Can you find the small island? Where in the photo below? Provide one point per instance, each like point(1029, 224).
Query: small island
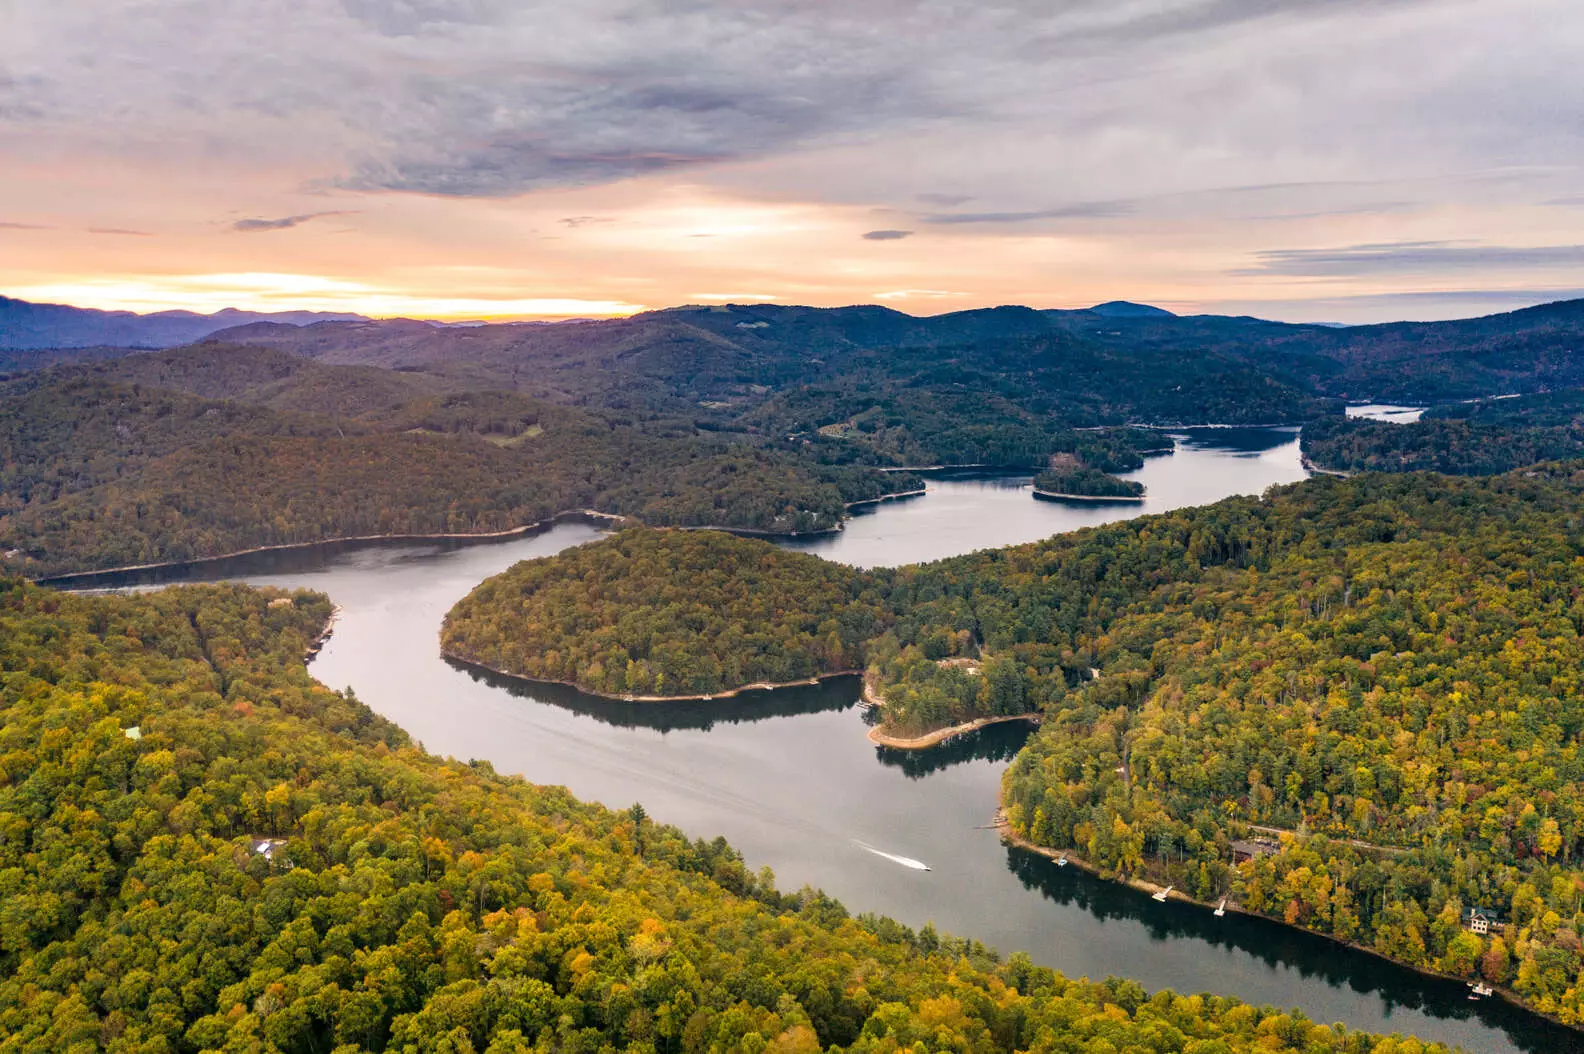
point(1068, 479)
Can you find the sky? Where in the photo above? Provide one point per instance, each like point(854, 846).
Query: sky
point(1309, 160)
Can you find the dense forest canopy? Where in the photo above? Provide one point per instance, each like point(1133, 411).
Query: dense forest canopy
point(266, 865)
point(1385, 668)
point(1463, 446)
point(669, 613)
point(96, 473)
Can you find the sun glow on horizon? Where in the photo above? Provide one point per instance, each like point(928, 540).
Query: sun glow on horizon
point(267, 291)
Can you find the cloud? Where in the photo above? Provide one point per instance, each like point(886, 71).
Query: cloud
point(281, 224)
point(1087, 210)
point(886, 235)
point(119, 230)
point(943, 201)
point(584, 221)
point(916, 294)
point(1410, 258)
point(1413, 306)
point(8, 226)
point(492, 98)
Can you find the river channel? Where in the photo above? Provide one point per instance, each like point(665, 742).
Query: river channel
point(790, 780)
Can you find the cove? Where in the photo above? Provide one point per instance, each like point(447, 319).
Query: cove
point(789, 778)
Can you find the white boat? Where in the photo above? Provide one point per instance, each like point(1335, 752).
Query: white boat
point(1163, 894)
point(1221, 908)
point(1062, 862)
point(905, 861)
point(1481, 990)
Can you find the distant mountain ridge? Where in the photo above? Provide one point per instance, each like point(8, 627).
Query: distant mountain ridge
point(26, 326)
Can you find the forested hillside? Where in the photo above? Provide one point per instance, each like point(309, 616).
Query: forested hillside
point(725, 362)
point(1385, 668)
point(98, 474)
point(1458, 447)
point(60, 438)
point(1387, 660)
point(266, 865)
point(1481, 437)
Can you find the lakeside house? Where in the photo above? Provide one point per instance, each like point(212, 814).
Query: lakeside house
point(1253, 848)
point(1480, 920)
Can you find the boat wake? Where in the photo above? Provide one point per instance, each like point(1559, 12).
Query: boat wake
point(905, 861)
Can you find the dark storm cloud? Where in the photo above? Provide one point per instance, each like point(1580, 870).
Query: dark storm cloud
point(283, 223)
point(886, 235)
point(1409, 258)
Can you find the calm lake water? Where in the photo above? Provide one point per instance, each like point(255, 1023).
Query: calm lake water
point(790, 780)
point(1402, 415)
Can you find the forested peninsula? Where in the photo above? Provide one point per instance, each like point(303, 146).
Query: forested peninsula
point(204, 849)
point(1377, 676)
point(669, 613)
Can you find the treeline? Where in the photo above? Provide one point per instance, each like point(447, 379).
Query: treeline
point(269, 866)
point(97, 474)
point(1462, 447)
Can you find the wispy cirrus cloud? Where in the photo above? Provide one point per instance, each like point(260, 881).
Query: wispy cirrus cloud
point(1411, 258)
point(253, 225)
point(1085, 210)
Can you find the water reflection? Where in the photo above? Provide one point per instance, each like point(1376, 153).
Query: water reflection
point(315, 558)
point(1279, 947)
point(1237, 440)
point(835, 693)
point(998, 743)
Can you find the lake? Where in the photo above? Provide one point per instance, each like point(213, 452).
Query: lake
point(790, 780)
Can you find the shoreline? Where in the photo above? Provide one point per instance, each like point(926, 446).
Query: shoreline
point(1310, 466)
point(758, 686)
point(895, 496)
point(1003, 828)
point(867, 698)
point(72, 577)
point(316, 645)
point(880, 738)
point(1105, 499)
point(69, 579)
